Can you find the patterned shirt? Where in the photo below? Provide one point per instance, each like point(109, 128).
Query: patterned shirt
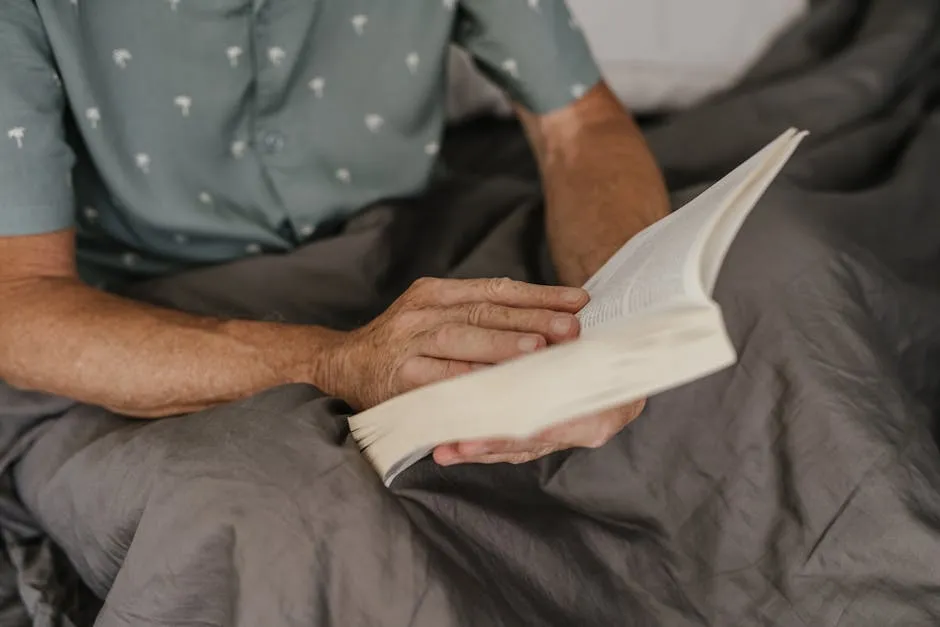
point(176, 133)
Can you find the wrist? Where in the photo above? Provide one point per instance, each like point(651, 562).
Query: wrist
point(321, 360)
point(291, 353)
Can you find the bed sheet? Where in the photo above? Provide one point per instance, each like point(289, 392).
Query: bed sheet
point(801, 487)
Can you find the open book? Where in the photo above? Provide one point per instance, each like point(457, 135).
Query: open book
point(651, 325)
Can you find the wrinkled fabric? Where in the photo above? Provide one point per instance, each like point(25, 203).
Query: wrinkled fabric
point(800, 487)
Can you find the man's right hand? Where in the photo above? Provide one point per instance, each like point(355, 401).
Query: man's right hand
point(440, 328)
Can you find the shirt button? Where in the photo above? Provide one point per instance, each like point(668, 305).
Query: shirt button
point(307, 230)
point(272, 142)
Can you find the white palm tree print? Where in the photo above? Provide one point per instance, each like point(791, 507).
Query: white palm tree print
point(233, 53)
point(121, 57)
point(344, 175)
point(205, 198)
point(317, 85)
point(578, 90)
point(238, 148)
point(184, 103)
point(450, 5)
point(173, 4)
point(253, 249)
point(432, 149)
point(413, 61)
point(276, 55)
point(17, 134)
point(511, 67)
point(143, 162)
point(130, 259)
point(535, 5)
point(374, 122)
point(359, 23)
point(91, 214)
point(93, 115)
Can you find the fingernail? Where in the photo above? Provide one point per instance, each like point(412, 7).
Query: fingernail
point(573, 295)
point(529, 344)
point(561, 325)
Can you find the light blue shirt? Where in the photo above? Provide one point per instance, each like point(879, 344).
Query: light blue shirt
point(176, 133)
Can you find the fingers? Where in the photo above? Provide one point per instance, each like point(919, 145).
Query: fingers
point(493, 452)
point(444, 457)
point(506, 292)
point(552, 325)
point(592, 431)
point(461, 342)
point(588, 432)
point(420, 371)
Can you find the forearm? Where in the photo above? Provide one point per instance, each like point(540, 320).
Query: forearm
point(61, 337)
point(601, 183)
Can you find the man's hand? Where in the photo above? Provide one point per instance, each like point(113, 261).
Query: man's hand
point(441, 328)
point(588, 432)
point(602, 187)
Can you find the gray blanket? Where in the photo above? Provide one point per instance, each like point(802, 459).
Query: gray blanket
point(801, 487)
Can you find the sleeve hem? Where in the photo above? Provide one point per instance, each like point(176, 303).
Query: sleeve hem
point(34, 220)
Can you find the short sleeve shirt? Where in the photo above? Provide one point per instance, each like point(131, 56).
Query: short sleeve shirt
point(177, 133)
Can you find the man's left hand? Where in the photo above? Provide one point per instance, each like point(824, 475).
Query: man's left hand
point(588, 432)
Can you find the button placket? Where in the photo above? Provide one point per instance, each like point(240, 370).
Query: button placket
point(272, 61)
point(271, 142)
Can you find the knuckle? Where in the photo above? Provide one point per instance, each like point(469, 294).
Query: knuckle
point(423, 282)
point(598, 442)
point(409, 372)
point(637, 408)
point(424, 286)
point(605, 434)
point(499, 287)
point(455, 368)
point(521, 458)
point(479, 313)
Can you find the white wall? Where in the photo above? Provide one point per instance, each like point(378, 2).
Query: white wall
point(672, 52)
point(656, 54)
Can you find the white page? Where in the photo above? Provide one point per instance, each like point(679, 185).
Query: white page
point(728, 224)
point(651, 270)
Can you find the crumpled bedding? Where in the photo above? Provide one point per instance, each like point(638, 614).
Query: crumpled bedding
point(799, 488)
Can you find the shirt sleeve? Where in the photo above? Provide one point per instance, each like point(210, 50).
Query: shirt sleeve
point(35, 160)
point(533, 49)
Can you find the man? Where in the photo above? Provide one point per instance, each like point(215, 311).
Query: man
point(200, 134)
